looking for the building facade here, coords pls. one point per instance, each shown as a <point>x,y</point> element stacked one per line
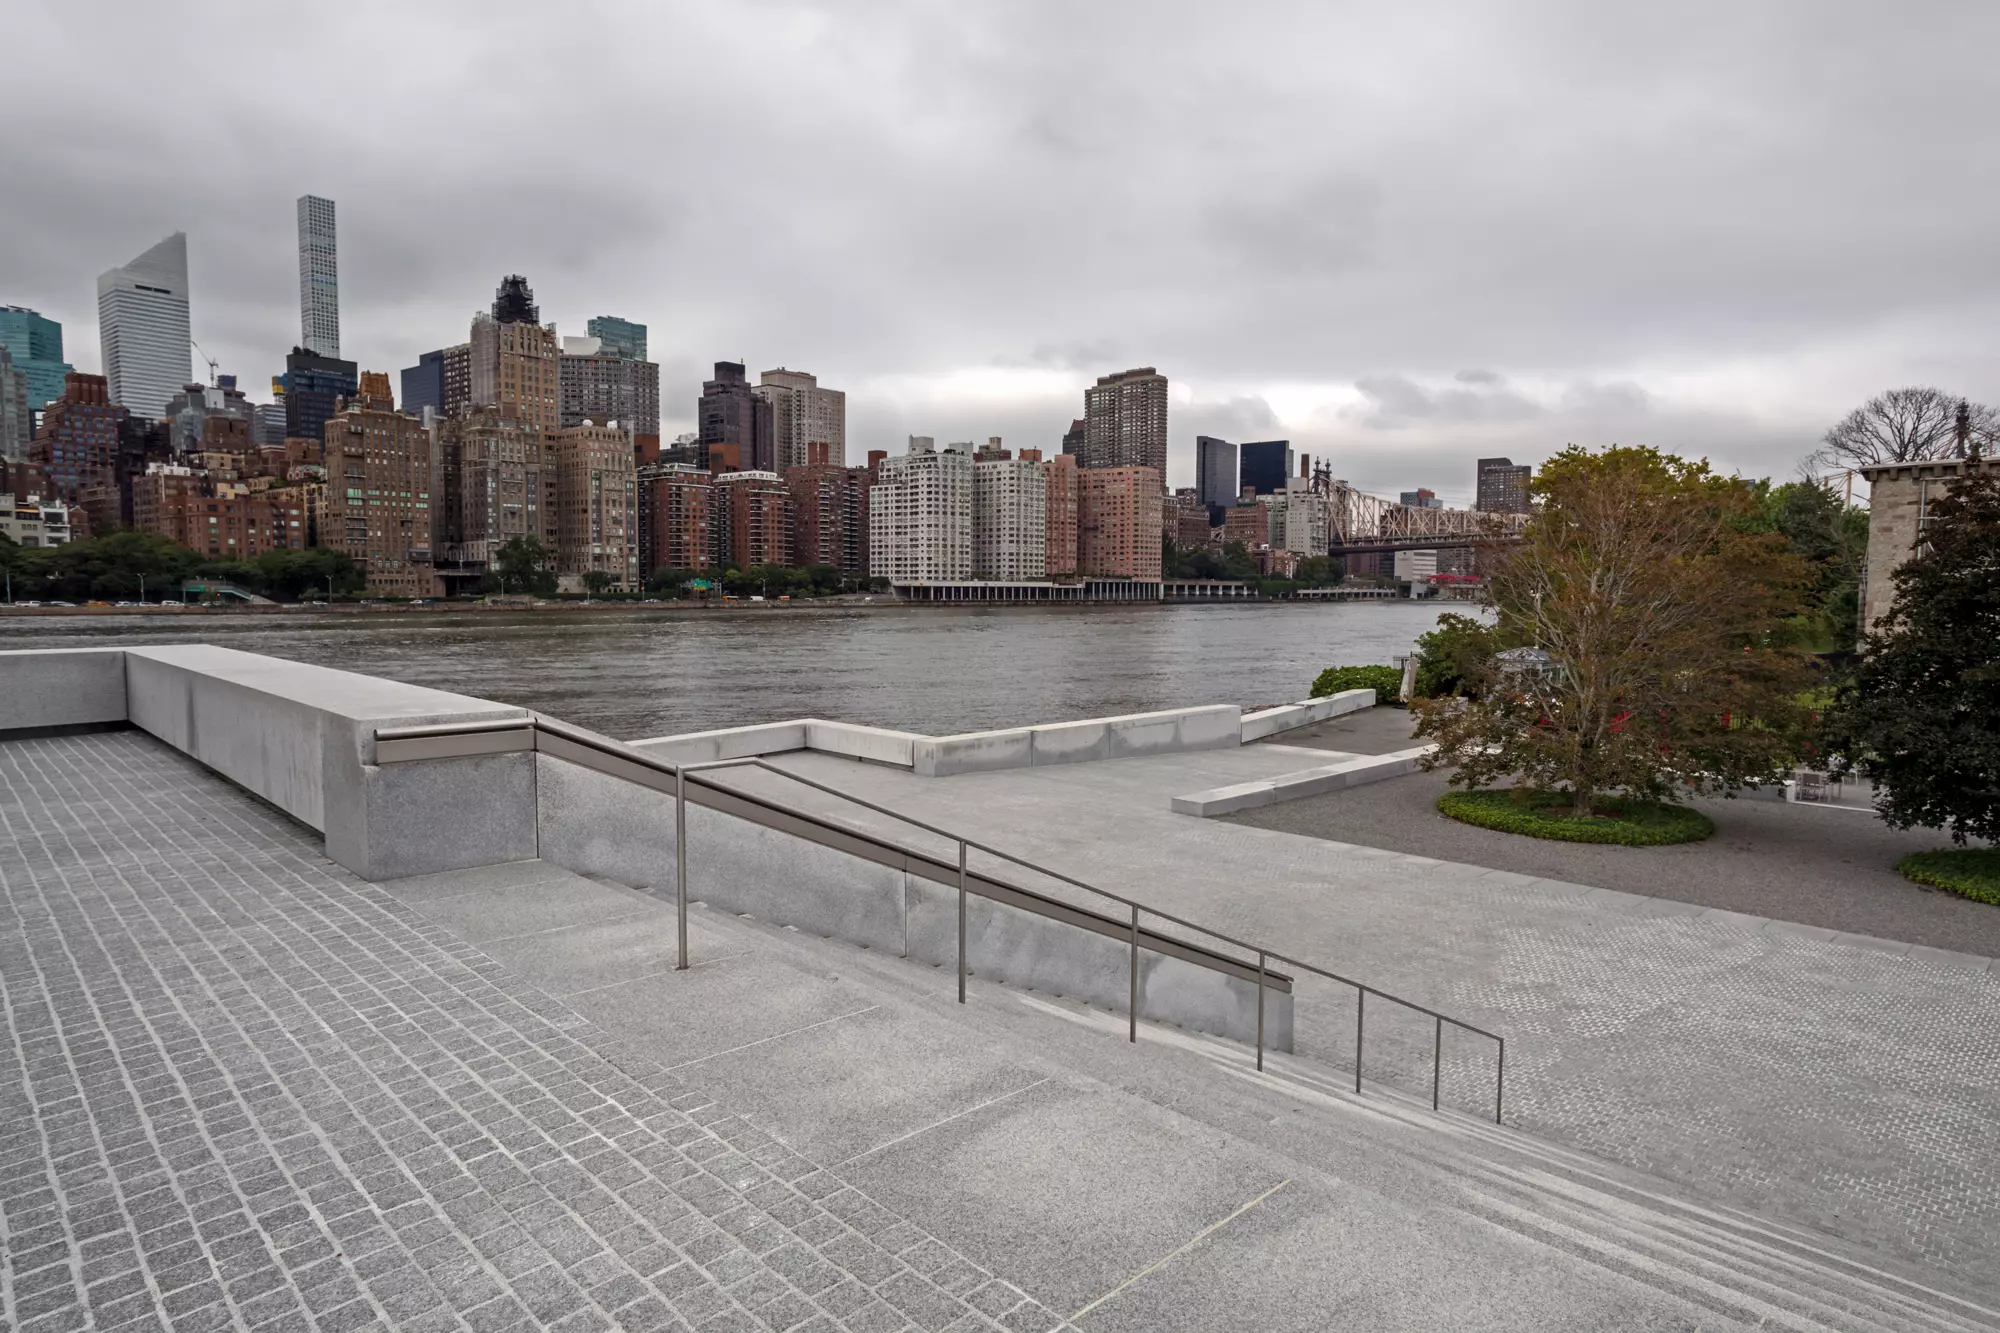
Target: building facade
<point>731,413</point>
<point>803,416</point>
<point>601,387</point>
<point>319,278</point>
<point>315,386</point>
<point>423,384</point>
<point>35,342</point>
<point>920,515</point>
<point>676,503</point>
<point>620,337</point>
<point>189,411</point>
<point>1010,516</point>
<point>1118,522</point>
<point>1215,471</point>
<point>1059,526</point>
<point>751,522</point>
<point>1125,421</point>
<point>514,360</point>
<point>378,497</point>
<point>78,438</point>
<point>142,327</point>
<point>1503,487</point>
<point>31,520</point>
<point>596,503</point>
<point>1900,500</point>
<point>1266,466</point>
<point>17,428</point>
<point>829,513</point>
<point>495,483</point>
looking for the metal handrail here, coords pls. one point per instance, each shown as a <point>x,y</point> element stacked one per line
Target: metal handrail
<point>682,774</point>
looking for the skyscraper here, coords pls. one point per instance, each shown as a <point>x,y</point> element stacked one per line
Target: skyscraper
<point>513,359</point>
<point>1125,421</point>
<point>1214,471</point>
<point>1010,517</point>
<point>319,277</point>
<point>920,515</point>
<point>142,324</point>
<point>36,344</point>
<point>314,386</point>
<point>731,413</point>
<point>596,503</point>
<point>14,416</point>
<point>423,384</point>
<point>1503,487</point>
<point>378,494</point>
<point>78,438</point>
<point>1118,522</point>
<point>1267,465</point>
<point>599,384</point>
<point>803,415</point>
<point>620,337</point>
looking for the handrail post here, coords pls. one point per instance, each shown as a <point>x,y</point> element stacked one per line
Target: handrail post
<point>961,921</point>
<point>1132,1018</point>
<point>681,866</point>
<point>1437,1063</point>
<point>1260,1011</point>
<point>1360,1008</point>
<point>1499,1078</point>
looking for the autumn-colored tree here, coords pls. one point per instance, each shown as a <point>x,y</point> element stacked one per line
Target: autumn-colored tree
<point>1654,666</point>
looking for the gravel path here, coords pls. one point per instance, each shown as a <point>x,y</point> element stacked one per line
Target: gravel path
<point>1817,865</point>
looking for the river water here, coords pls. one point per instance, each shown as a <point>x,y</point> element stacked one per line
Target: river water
<point>925,669</point>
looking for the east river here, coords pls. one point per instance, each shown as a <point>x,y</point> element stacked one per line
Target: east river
<point>933,670</point>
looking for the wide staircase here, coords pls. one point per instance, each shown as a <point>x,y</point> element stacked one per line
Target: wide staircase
<point>1163,1184</point>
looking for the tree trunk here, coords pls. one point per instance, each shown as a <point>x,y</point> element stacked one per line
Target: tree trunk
<point>1580,799</point>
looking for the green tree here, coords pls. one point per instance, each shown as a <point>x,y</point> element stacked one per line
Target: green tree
<point>596,581</point>
<point>292,575</point>
<point>524,565</point>
<point>1831,536</point>
<point>1661,613</point>
<point>1452,658</point>
<point>1921,714</point>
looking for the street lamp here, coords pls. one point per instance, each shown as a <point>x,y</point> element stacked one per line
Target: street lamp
<point>329,590</point>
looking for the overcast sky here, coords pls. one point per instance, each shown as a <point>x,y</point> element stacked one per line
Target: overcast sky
<point>1404,236</point>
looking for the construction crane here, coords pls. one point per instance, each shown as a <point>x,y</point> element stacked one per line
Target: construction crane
<point>214,375</point>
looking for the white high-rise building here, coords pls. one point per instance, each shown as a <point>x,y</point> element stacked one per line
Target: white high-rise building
<point>920,515</point>
<point>319,277</point>
<point>1010,520</point>
<point>142,327</point>
<point>802,415</point>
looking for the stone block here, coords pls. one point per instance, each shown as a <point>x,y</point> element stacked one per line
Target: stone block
<point>704,747</point>
<point>61,687</point>
<point>875,745</point>
<point>972,752</point>
<point>1351,772</point>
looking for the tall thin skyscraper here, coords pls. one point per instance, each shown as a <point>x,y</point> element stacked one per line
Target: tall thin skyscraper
<point>142,326</point>
<point>319,278</point>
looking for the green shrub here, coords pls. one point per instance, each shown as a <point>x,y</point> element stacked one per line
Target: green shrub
<point>1544,814</point>
<point>1969,872</point>
<point>1451,658</point>
<point>1386,681</point>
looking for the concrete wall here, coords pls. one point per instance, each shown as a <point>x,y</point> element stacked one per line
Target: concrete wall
<point>302,737</point>
<point>1173,731</point>
<point>1353,771</point>
<point>1271,721</point>
<point>1215,726</point>
<point>598,825</point>
<point>61,687</point>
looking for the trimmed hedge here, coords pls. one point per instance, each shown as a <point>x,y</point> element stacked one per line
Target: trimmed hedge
<point>1969,872</point>
<point>1620,820</point>
<point>1386,681</point>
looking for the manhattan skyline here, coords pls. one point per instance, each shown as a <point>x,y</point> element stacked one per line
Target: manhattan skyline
<point>1400,244</point>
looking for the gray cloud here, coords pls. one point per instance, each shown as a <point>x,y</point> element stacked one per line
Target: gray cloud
<point>1714,226</point>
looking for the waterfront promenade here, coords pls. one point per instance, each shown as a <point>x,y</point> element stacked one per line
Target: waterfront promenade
<point>241,1087</point>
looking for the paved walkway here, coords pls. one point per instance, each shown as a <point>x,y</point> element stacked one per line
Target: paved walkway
<point>241,1089</point>
<point>1855,1089</point>
<point>1817,864</point>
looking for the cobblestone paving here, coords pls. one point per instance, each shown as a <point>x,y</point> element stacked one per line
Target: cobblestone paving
<point>241,1089</point>
<point>1849,1088</point>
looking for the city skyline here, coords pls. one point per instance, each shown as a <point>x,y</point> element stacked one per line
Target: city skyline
<point>1399,299</point>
